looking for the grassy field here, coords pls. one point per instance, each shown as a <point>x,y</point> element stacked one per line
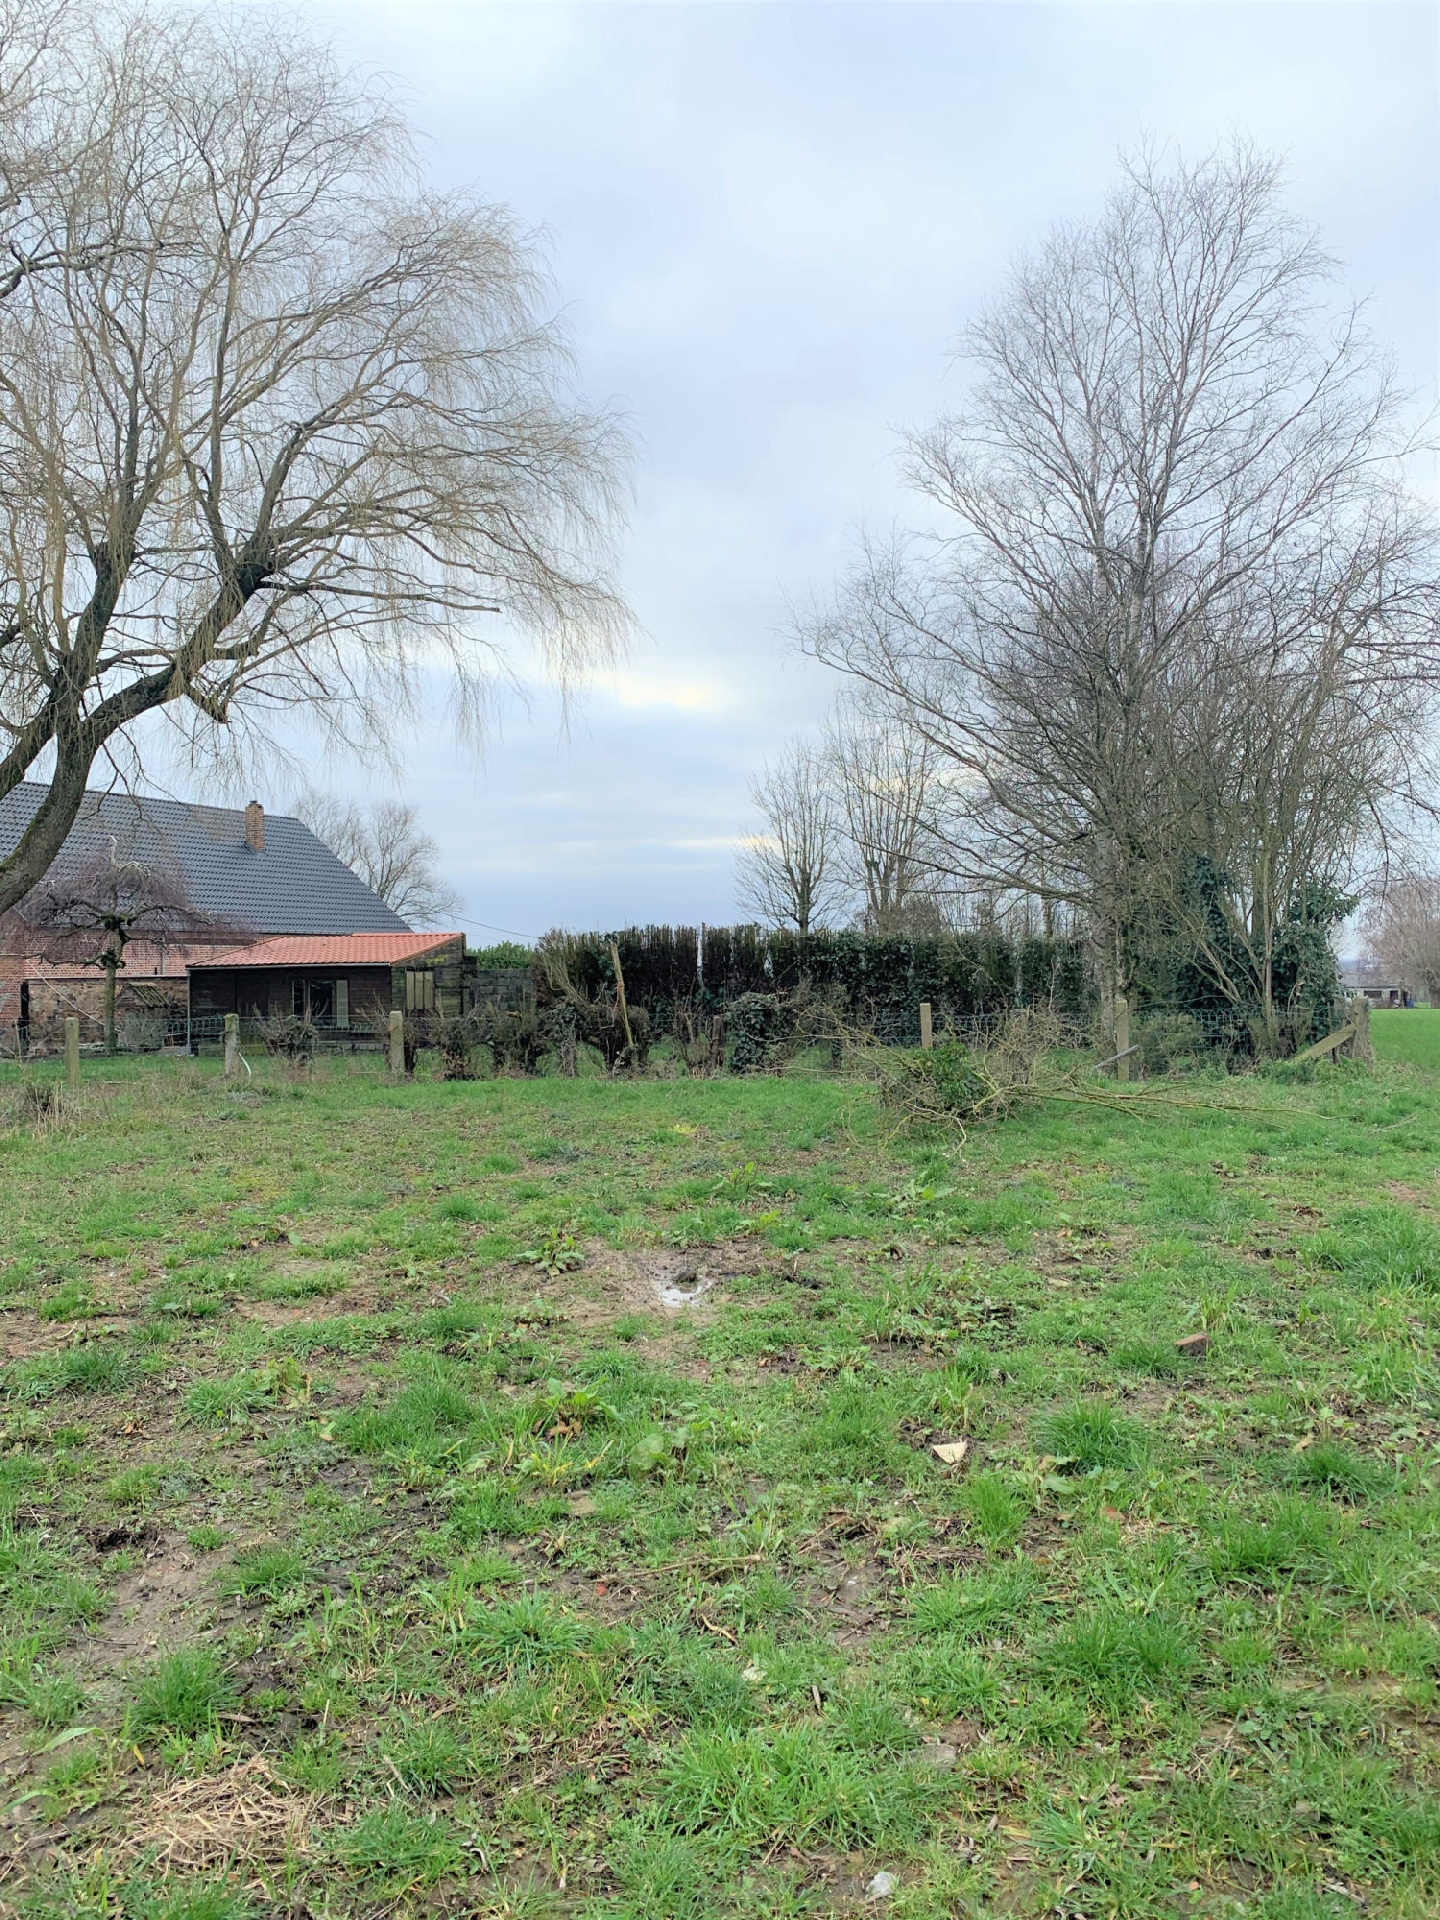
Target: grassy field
<point>519,1498</point>
<point>1412,1035</point>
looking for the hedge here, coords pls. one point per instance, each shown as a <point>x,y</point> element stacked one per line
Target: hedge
<point>964,976</point>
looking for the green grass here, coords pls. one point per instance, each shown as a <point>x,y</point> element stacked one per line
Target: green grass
<point>551,1600</point>
<point>186,1693</point>
<point>1410,1034</point>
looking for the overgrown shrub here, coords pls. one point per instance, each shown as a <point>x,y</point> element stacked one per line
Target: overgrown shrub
<point>623,1037</point>
<point>517,1038</point>
<point>768,1029</point>
<point>454,1038</point>
<point>1305,995</point>
<point>292,1036</point>
<point>693,1034</point>
<point>756,1028</point>
<point>1169,1041</point>
<point>605,1017</point>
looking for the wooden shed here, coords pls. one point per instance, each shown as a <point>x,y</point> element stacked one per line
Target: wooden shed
<point>344,984</point>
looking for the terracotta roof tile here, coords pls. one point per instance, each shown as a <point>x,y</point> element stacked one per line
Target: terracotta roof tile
<point>338,950</point>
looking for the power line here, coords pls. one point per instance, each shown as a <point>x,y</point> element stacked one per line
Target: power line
<point>486,927</point>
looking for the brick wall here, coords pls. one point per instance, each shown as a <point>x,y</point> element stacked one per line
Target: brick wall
<point>141,1010</point>
<point>507,987</point>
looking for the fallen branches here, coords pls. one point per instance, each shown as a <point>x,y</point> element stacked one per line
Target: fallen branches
<point>956,1085</point>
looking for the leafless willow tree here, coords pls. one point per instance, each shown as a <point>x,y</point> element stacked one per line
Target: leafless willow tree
<point>386,845</point>
<point>1185,607</point>
<point>279,422</point>
<point>789,874</point>
<point>890,789</point>
<point>1403,932</point>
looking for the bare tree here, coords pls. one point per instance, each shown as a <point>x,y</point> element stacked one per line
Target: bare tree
<point>788,875</point>
<point>1403,931</point>
<point>890,785</point>
<point>387,847</point>
<point>34,140</point>
<point>89,913</point>
<point>278,422</point>
<point>1289,756</point>
<point>1180,476</point>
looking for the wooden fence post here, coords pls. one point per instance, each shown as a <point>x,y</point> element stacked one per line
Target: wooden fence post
<point>232,1045</point>
<point>72,1052</point>
<point>927,1027</point>
<point>1122,1037</point>
<point>397,1042</point>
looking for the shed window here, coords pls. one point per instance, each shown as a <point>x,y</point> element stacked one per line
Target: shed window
<point>314,1000</point>
<point>419,990</point>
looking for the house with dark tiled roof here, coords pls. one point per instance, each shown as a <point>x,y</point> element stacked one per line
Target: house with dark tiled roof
<point>254,875</point>
<point>1363,980</point>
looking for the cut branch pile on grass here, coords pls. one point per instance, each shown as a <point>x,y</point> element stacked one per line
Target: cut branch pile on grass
<point>957,1085</point>
<point>954,1085</point>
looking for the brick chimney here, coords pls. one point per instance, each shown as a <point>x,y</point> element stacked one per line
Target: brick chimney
<point>255,827</point>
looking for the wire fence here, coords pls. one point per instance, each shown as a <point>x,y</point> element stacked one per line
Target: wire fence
<point>197,1031</point>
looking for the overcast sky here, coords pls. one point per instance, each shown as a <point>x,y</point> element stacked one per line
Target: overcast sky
<point>767,225</point>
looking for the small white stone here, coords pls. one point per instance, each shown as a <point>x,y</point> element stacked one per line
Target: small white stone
<point>881,1887</point>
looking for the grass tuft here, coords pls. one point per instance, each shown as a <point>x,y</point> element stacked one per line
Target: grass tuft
<point>186,1692</point>
<point>1115,1658</point>
<point>1088,1436</point>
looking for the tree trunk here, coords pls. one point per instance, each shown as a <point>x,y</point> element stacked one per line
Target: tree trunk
<point>34,855</point>
<point>111,970</point>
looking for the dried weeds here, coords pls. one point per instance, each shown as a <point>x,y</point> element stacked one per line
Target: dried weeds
<point>243,1814</point>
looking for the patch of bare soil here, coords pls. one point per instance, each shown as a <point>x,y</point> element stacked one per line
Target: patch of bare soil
<point>855,1599</point>
<point>664,1280</point>
<point>958,1735</point>
<point>1153,1399</point>
<point>24,1336</point>
<point>1272,1247</point>
<point>602,1594</point>
<point>1079,1256</point>
<point>288,1313</point>
<point>157,1606</point>
<point>1422,1197</point>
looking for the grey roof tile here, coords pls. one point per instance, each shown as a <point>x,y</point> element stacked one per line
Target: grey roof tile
<point>294,885</point>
